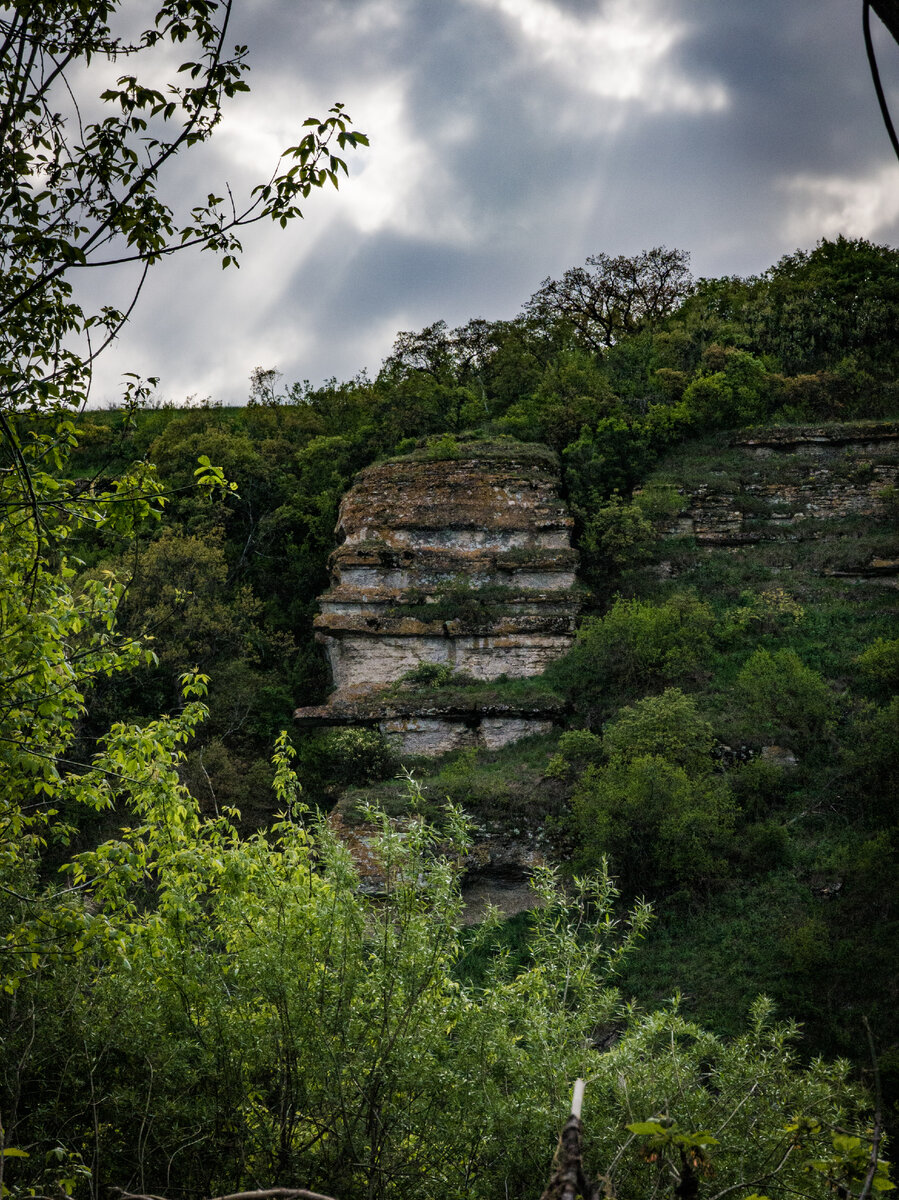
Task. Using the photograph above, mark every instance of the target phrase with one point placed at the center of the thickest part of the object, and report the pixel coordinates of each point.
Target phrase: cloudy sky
(509, 140)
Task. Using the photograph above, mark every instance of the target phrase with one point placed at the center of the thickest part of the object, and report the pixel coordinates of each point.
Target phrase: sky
(510, 139)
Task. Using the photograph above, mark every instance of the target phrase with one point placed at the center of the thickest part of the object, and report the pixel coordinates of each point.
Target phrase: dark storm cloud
(799, 82)
(509, 141)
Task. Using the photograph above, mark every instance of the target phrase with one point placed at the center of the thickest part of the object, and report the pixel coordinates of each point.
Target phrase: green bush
(871, 755)
(658, 501)
(577, 748)
(667, 726)
(786, 698)
(637, 645)
(429, 674)
(772, 610)
(879, 664)
(616, 535)
(758, 786)
(764, 847)
(573, 393)
(345, 758)
(736, 390)
(612, 457)
(658, 827)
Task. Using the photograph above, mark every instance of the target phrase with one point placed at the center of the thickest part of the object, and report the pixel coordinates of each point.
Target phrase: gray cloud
(509, 141)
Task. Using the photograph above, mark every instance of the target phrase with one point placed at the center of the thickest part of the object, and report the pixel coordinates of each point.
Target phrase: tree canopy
(610, 297)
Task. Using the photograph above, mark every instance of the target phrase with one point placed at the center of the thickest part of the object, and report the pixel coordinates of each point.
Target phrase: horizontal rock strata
(463, 562)
(430, 725)
(822, 475)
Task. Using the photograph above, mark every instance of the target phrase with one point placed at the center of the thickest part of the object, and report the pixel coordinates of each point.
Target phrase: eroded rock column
(464, 561)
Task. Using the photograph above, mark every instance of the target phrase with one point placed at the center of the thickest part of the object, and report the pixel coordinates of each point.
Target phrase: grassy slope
(819, 931)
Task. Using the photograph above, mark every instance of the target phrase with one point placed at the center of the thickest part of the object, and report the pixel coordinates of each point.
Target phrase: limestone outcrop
(460, 558)
(797, 481)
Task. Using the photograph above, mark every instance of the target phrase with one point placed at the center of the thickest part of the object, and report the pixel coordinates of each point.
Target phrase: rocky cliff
(800, 484)
(459, 558)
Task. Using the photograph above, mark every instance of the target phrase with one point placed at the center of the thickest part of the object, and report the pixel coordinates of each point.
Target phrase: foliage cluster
(259, 1009)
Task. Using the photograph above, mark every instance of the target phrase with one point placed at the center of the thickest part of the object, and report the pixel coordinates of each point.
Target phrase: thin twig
(878, 1118)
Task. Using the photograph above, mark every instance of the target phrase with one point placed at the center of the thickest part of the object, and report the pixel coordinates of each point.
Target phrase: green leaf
(645, 1128)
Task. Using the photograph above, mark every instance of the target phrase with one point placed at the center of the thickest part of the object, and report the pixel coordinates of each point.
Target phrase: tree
(81, 176)
(836, 304)
(609, 298)
(81, 181)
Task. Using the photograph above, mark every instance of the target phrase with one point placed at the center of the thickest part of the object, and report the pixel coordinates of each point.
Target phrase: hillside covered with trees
(196, 995)
(765, 875)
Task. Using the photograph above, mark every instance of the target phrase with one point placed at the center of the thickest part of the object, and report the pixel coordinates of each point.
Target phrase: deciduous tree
(608, 297)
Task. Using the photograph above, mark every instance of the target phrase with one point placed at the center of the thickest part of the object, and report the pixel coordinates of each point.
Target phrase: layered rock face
(463, 562)
(805, 479)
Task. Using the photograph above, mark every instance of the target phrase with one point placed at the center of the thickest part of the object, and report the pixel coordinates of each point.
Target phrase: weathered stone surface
(791, 509)
(415, 529)
(445, 502)
(869, 436)
(442, 735)
(779, 756)
(428, 729)
(377, 566)
(464, 561)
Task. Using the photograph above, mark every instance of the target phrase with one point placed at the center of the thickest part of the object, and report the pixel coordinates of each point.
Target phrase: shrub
(879, 664)
(786, 696)
(667, 726)
(670, 383)
(577, 747)
(735, 391)
(429, 674)
(346, 757)
(616, 535)
(659, 502)
(872, 758)
(768, 611)
(612, 457)
(764, 847)
(758, 786)
(659, 827)
(635, 646)
(444, 446)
